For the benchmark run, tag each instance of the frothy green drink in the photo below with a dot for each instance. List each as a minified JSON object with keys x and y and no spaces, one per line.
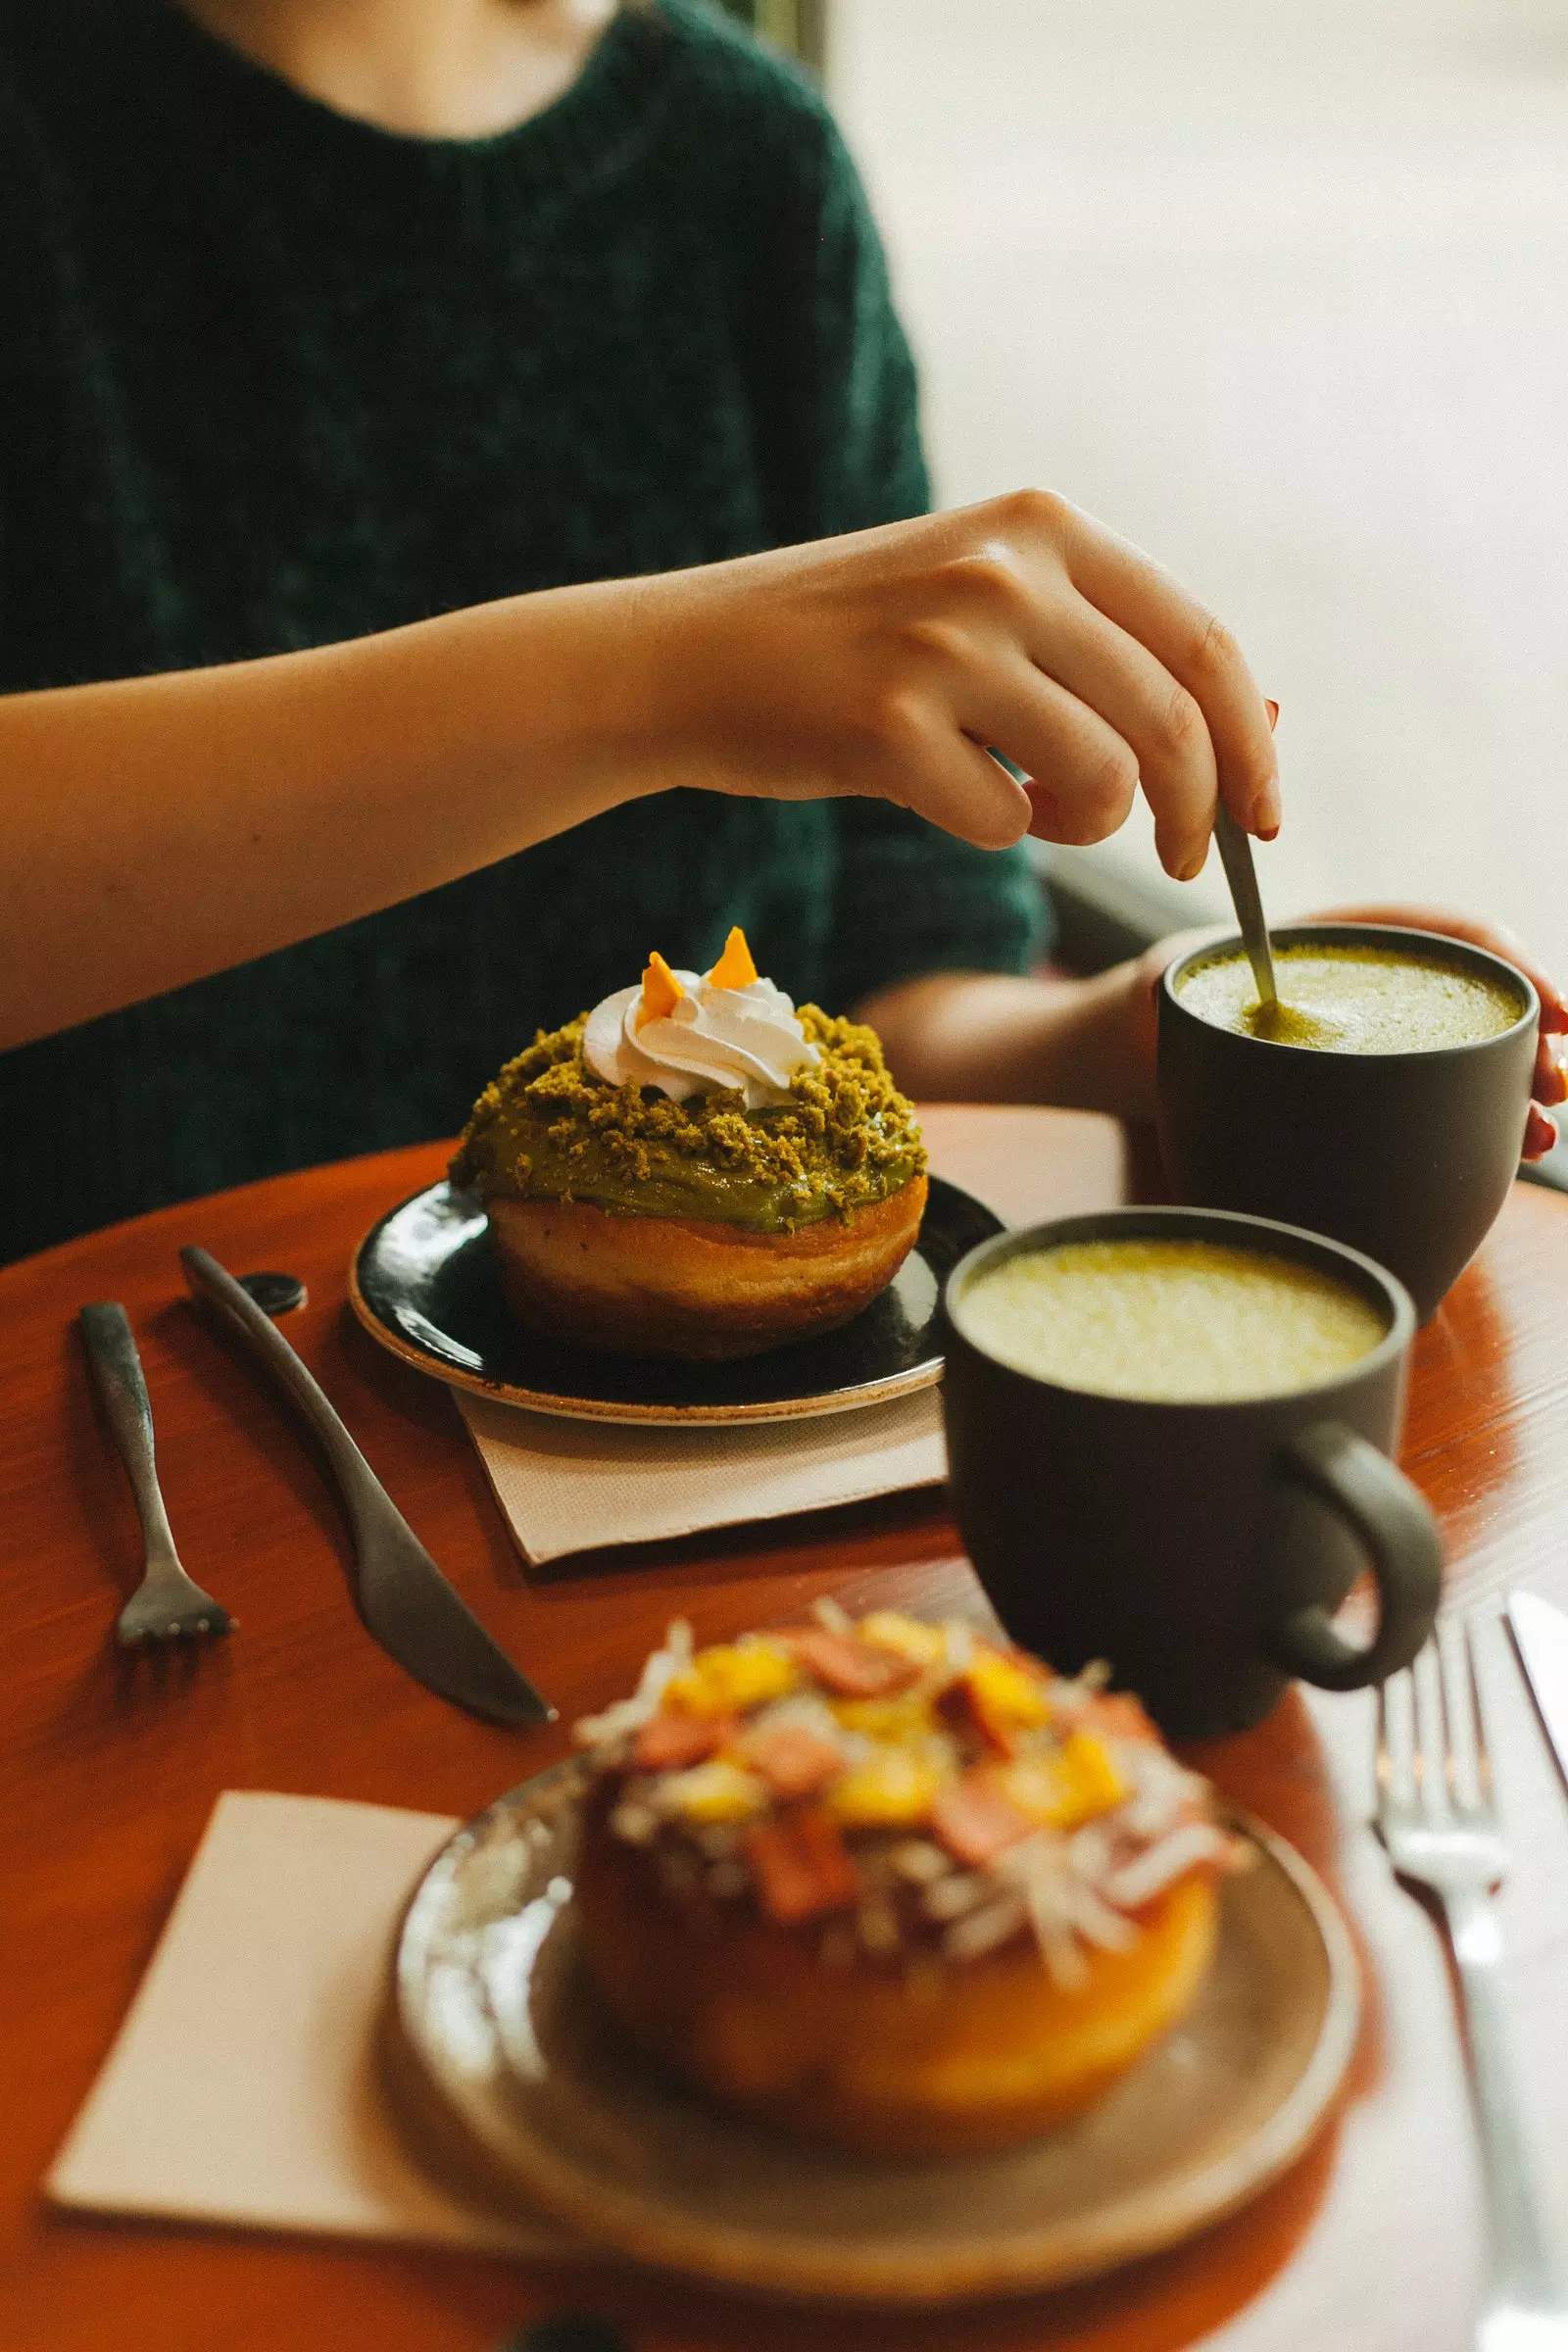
{"x":1353,"y":999}
{"x":1170,"y":1322}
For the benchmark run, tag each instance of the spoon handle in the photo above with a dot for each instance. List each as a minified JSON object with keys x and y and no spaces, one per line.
{"x":1236,"y":855}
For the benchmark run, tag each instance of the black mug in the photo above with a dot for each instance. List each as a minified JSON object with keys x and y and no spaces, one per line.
{"x":1405,"y":1157}
{"x":1199,"y":1548}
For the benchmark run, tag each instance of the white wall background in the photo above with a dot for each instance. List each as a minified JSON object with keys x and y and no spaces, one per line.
{"x":1279,"y":288}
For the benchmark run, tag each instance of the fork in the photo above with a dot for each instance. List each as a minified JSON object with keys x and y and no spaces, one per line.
{"x":1438,"y":1819}
{"x":166,"y":1606}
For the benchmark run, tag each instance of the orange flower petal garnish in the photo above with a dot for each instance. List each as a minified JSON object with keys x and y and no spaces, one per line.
{"x":661,"y":990}
{"x":734,"y":968}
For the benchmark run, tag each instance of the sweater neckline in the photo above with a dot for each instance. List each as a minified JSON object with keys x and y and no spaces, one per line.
{"x":563,"y":143}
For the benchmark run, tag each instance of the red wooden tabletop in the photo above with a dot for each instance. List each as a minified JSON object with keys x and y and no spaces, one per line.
{"x":111,"y":1766}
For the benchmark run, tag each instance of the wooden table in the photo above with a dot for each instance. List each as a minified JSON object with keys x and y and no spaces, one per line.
{"x":111,"y":1766}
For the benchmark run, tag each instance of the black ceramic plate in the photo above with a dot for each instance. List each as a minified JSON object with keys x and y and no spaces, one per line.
{"x":424,"y":1284}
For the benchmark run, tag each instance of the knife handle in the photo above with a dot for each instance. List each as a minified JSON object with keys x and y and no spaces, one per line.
{"x":366,"y":1501}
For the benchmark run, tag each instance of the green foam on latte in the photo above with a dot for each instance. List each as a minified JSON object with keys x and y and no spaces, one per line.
{"x":1168,"y":1321}
{"x":1353,"y":999}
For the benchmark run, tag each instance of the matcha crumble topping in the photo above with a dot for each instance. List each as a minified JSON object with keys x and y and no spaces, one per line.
{"x":548,"y":1129}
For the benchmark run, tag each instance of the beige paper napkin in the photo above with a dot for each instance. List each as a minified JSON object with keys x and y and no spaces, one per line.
{"x":572,"y":1486}
{"x":243,"y":2086}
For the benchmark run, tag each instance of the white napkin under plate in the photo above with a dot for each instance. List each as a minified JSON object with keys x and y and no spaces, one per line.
{"x":243,"y":2086}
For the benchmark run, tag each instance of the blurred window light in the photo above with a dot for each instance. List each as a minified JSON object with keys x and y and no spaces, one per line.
{"x":1282,"y":292}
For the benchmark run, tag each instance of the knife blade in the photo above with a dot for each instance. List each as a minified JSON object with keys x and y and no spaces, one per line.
{"x":403,"y":1599}
{"x":1540,"y":1637}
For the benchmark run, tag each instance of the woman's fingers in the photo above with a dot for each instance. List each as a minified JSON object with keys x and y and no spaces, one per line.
{"x":860,"y":665}
{"x":1551,"y":1079}
{"x":953,"y":782}
{"x":1082,"y":771}
{"x":1153,"y":714}
{"x":1198,"y":651}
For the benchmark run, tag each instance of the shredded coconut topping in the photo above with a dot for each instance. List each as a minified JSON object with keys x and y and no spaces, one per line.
{"x":913,"y":1793}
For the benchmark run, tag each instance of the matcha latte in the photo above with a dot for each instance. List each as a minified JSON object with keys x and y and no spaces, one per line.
{"x":1169,"y":1321}
{"x":1353,"y":999}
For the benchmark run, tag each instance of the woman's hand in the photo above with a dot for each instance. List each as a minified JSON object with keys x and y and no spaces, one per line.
{"x":882,"y":664}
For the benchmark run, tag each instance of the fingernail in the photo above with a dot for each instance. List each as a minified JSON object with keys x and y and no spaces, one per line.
{"x":1541,"y":1134}
{"x":1268,"y":812}
{"x":1273,"y":709}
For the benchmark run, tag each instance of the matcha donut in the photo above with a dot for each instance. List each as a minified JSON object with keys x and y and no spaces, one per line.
{"x":624,"y":1217}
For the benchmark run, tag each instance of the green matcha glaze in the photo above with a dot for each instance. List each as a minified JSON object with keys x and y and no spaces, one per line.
{"x":548,"y":1129}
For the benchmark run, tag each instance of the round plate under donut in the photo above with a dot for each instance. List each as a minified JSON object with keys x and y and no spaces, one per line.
{"x":508,"y":2068}
{"x":424,"y":1284}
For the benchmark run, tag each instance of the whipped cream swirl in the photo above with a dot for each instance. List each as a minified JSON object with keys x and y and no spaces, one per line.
{"x":712,"y":1036}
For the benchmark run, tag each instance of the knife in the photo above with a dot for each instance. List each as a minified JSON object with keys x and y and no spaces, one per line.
{"x":1541,"y":1636}
{"x":403,"y":1599}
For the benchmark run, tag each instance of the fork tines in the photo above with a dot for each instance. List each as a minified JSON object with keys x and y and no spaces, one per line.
{"x":1431,"y":1736}
{"x":1436,"y":1808}
{"x":162,"y":1615}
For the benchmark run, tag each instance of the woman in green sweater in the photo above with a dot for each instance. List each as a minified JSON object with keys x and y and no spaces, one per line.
{"x":356,"y":325}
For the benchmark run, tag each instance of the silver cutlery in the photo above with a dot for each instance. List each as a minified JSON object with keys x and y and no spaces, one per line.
{"x":166,"y":1606}
{"x":1236,"y":855}
{"x":1540,"y":1638}
{"x":404,"y":1601}
{"x":1437,"y":1816}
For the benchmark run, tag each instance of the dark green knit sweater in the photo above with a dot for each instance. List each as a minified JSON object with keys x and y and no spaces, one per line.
{"x":270,"y":377}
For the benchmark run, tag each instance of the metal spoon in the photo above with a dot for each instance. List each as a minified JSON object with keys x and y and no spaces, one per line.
{"x":1236,"y":855}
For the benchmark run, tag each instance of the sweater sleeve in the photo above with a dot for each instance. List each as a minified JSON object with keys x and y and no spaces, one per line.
{"x":908,"y":897}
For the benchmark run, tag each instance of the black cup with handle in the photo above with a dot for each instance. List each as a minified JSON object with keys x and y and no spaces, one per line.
{"x":1407,"y":1155}
{"x":1201,"y":1547}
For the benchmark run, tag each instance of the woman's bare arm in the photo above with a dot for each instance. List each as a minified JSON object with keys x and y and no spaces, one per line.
{"x":154,"y":830}
{"x":158,"y":829}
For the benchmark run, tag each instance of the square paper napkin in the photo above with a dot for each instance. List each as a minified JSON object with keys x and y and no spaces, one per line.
{"x":243,"y":2088}
{"x":575,"y":1486}
{"x":572,"y":1486}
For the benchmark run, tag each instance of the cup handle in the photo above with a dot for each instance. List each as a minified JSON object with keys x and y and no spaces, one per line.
{"x":1384,"y":1510}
